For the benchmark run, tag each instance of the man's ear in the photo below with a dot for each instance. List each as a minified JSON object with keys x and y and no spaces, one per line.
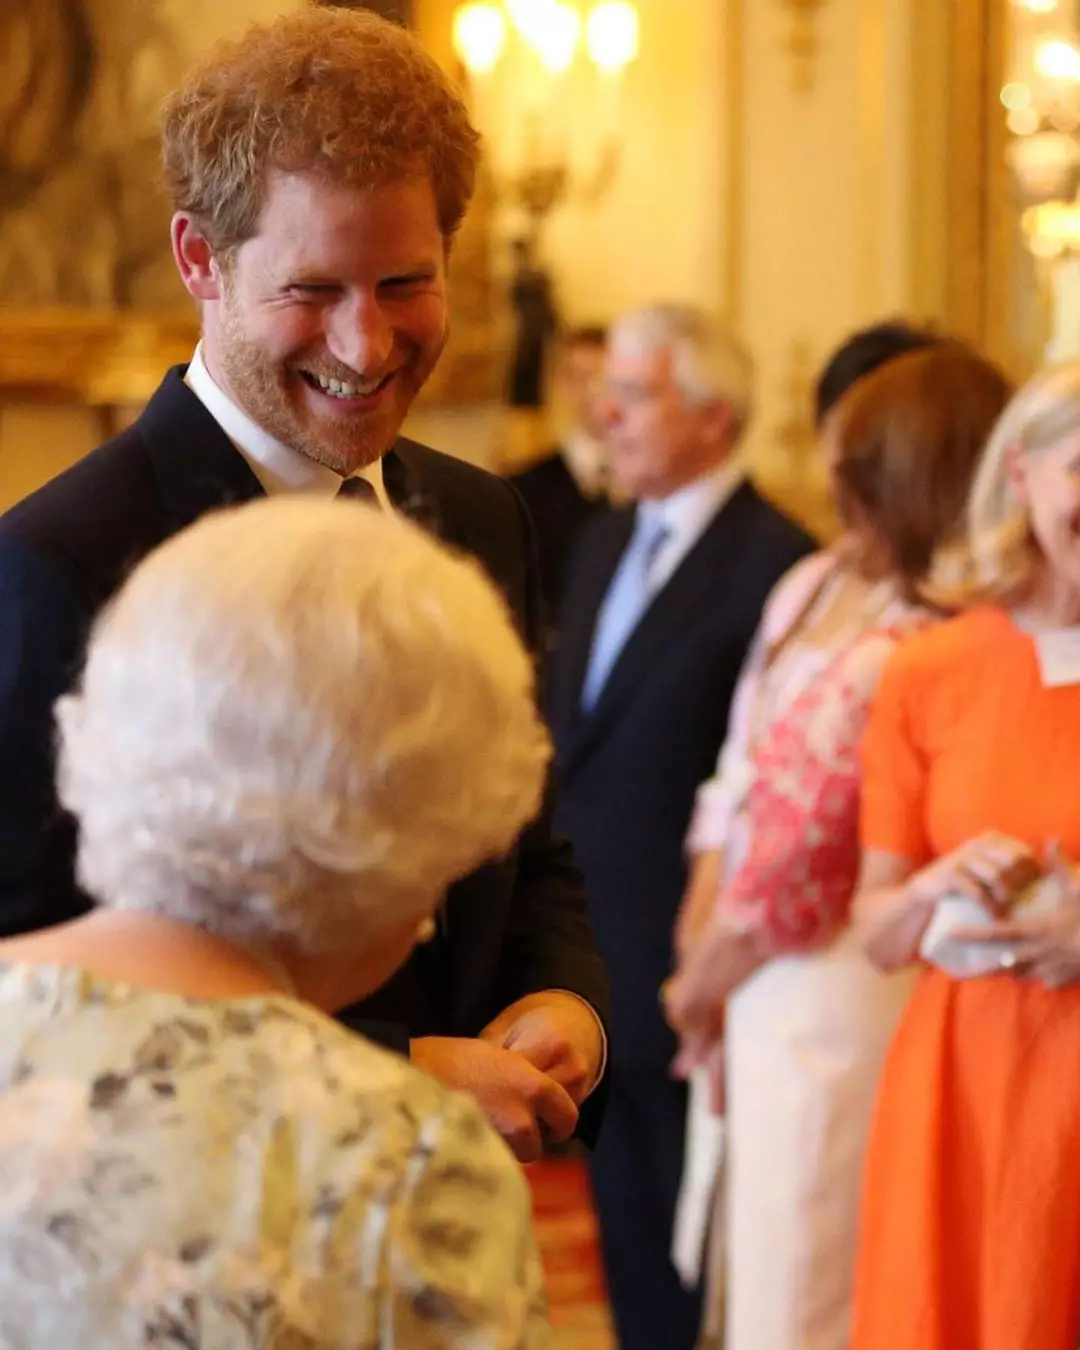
{"x":195,"y":260}
{"x":718,"y":419}
{"x":1015,"y":469}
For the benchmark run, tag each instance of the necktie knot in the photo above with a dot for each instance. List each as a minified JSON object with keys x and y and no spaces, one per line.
{"x":358,"y":490}
{"x":654,"y":532}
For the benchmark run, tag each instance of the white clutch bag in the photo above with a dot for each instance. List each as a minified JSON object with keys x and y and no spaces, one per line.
{"x":966,"y":960}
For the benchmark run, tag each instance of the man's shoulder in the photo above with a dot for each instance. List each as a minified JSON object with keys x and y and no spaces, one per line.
{"x":467,"y":505}
{"x":773,"y":529}
{"x":103,"y":505}
{"x":549,"y":469}
{"x":440,"y":470}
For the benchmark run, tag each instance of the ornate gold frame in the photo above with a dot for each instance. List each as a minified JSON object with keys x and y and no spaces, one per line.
{"x":100,"y":359}
{"x":982,"y":222}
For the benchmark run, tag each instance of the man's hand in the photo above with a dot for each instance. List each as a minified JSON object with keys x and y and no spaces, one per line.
{"x":525,"y":1105}
{"x":558,"y":1034}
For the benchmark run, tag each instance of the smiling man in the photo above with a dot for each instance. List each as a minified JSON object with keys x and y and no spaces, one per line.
{"x":319,"y":168}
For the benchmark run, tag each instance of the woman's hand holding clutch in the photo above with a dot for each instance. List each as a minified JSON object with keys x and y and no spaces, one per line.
{"x":1040,"y":938}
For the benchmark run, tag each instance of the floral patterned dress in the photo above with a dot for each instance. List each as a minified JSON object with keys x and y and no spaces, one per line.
{"x":806,"y":1034}
{"x":243,"y":1174}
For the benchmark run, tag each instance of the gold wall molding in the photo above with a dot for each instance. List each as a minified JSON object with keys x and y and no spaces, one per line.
{"x":793,"y":471}
{"x":735,"y":169}
{"x":802,"y":41}
{"x":97,"y":359}
{"x":981,"y":208}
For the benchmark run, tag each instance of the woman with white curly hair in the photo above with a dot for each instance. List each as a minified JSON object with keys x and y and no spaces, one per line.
{"x":279,"y":756}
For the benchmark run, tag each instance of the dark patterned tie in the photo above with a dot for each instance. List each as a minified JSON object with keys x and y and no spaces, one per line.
{"x":359,"y":490}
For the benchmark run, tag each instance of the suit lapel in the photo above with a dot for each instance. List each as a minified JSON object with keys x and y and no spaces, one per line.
{"x":461,"y":961}
{"x":196,"y":467}
{"x":578,"y":623}
{"x":409,"y":490}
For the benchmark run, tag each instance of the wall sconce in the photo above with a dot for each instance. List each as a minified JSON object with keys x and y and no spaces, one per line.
{"x":545,"y":78}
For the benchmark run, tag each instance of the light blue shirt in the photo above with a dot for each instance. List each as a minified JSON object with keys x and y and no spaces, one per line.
{"x":665,"y":531}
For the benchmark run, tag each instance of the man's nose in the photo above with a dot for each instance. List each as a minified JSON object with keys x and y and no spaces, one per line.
{"x":360,"y":335}
{"x":607,"y":410}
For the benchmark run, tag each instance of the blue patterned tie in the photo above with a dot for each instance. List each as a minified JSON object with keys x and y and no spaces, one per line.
{"x":627,"y":599}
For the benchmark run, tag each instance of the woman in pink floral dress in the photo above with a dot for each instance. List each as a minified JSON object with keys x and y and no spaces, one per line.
{"x":765,"y":949}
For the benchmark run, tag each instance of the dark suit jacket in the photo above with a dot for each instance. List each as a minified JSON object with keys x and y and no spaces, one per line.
{"x":559,"y":510}
{"x":628,"y":771}
{"x":513,"y":928}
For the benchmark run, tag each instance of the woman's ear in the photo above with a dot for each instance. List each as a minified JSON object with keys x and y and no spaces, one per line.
{"x":1016,"y":470}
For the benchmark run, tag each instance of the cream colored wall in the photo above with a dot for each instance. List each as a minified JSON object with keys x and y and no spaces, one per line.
{"x":839,"y":196}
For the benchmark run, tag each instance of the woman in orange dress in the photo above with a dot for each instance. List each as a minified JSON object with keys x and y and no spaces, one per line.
{"x":970,"y":1234}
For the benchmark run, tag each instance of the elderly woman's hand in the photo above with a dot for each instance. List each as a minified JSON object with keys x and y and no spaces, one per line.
{"x":1045,"y":947}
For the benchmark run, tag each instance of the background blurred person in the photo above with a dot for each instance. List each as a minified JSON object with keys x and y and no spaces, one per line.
{"x":806,"y":1019}
{"x":860,"y":355}
{"x":278,"y":758}
{"x":569,"y":485}
{"x":660,"y":607}
{"x":318,"y":167}
{"x":970,"y":1234}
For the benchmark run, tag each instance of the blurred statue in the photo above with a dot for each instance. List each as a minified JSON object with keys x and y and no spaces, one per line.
{"x":537,"y":321}
{"x":81,"y":211}
{"x":46,"y":68}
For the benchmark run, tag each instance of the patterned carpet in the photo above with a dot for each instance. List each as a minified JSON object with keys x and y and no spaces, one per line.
{"x":569,"y":1249}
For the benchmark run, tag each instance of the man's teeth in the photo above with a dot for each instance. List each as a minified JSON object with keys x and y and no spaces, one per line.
{"x":349,"y":389}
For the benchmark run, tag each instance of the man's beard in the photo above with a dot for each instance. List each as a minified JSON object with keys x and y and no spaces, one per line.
{"x":261,"y":387}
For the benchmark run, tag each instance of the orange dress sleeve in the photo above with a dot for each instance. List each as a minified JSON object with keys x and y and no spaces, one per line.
{"x":895,"y":769}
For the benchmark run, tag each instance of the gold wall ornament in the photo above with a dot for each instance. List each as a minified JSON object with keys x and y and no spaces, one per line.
{"x":802,"y":41}
{"x":792,"y":469}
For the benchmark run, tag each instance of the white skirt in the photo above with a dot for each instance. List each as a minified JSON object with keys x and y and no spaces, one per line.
{"x":805,"y":1041}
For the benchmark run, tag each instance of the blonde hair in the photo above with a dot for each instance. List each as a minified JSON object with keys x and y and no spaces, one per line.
{"x":708,"y":361}
{"x":1001,"y":553}
{"x":299,"y":719}
{"x":343,"y":94}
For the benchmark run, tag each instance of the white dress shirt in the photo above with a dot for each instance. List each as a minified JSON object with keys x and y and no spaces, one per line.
{"x":278,"y":467}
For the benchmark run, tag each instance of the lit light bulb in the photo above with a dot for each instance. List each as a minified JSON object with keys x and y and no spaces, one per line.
{"x":557,"y":39}
{"x":531,"y":17}
{"x":612,"y":34}
{"x":1023,"y":121}
{"x":479,"y":35}
{"x":1038,"y":6}
{"x":1016,"y":96}
{"x":1058,"y":60}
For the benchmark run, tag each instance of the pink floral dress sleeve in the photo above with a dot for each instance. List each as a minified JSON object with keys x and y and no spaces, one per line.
{"x":796,"y":878}
{"x":720,"y":799}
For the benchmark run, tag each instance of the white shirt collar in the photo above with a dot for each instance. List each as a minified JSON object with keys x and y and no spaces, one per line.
{"x":278,"y":467}
{"x":586,"y":459}
{"x":687,"y":511}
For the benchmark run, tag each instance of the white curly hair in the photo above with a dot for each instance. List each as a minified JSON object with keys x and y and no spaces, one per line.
{"x":299,"y":719}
